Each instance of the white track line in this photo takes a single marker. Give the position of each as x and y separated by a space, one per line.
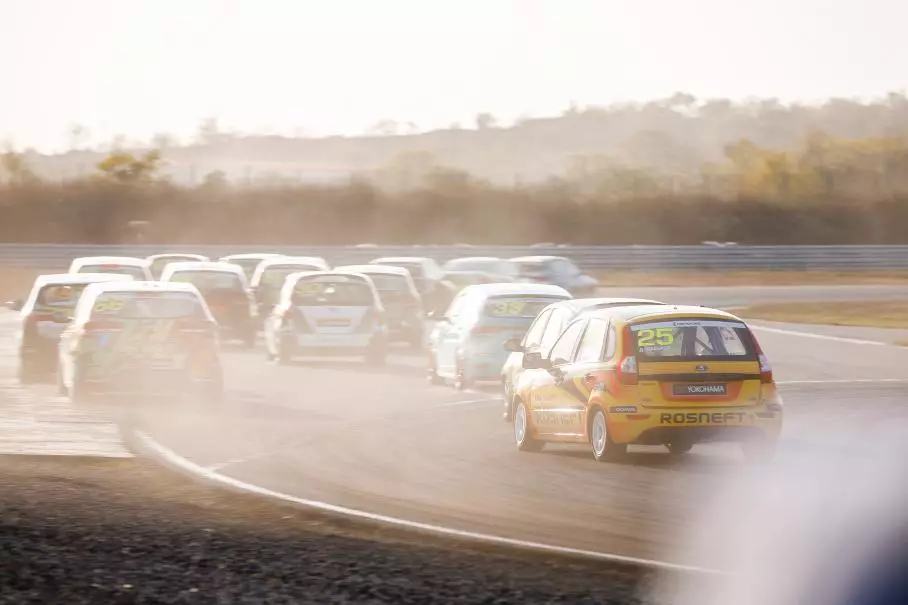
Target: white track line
854 341
191 467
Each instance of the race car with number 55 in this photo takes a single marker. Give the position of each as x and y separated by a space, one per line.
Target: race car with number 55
649 375
141 338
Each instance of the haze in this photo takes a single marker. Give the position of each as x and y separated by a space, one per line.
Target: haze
134 68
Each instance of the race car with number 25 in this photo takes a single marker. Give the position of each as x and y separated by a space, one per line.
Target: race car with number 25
650 375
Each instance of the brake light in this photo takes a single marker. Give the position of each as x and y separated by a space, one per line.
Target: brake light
110 266
627 367
765 367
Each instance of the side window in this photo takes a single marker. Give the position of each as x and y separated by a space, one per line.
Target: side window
553 330
534 335
612 344
593 342
563 351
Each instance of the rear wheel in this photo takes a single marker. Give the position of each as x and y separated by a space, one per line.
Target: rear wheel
604 448
522 437
461 382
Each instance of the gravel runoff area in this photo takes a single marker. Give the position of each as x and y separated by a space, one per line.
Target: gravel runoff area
81 530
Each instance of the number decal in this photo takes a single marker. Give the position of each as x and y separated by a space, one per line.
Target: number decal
507 309
108 305
665 337
645 337
310 289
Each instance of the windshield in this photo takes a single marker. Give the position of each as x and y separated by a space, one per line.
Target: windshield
332 292
693 339
533 267
209 280
385 282
59 296
147 305
136 272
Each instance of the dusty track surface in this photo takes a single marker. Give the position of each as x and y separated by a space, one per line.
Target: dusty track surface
75 531
383 441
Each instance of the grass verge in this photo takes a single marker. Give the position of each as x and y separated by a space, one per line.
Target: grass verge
872 314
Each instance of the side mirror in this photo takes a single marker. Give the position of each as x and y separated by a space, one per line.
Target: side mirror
533 360
15 305
513 345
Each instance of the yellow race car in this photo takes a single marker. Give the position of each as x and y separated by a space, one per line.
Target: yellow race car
649 375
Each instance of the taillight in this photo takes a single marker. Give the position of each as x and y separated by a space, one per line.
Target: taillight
627 367
765 367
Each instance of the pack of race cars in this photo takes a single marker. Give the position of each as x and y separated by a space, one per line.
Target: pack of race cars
605 372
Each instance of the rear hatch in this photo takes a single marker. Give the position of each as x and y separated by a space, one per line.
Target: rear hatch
333 306
696 361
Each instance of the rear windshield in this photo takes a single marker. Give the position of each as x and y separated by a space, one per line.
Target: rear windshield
157 265
332 292
693 339
59 296
209 280
389 283
147 305
515 307
491 266
273 277
533 267
137 272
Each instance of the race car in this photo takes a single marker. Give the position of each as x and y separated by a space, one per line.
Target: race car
556 270
425 271
500 270
402 303
138 268
268 278
543 332
44 314
248 261
157 262
467 343
140 338
226 292
649 375
327 313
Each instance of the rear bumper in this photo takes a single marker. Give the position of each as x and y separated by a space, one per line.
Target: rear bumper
648 426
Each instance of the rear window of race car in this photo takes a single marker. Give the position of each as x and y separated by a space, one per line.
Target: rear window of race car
693 339
273 277
385 282
332 292
209 280
147 305
59 296
137 272
515 307
157 265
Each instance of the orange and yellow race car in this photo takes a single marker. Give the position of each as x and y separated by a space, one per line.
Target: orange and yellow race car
650 375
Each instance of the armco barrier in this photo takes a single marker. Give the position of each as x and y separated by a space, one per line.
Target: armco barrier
634 258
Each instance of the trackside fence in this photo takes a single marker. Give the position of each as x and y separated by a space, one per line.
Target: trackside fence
590 258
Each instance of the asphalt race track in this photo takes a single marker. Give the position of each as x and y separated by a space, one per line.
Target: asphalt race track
382 440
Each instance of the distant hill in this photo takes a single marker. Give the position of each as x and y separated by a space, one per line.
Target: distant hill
673 136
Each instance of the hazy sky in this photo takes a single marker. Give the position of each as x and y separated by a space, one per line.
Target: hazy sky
137 67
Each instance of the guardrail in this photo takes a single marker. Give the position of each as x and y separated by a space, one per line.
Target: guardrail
633 258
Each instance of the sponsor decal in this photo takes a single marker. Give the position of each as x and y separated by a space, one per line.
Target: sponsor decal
704 418
702 368
700 389
623 409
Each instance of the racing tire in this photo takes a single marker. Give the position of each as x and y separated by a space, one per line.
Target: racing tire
603 447
522 438
679 448
432 372
285 351
461 383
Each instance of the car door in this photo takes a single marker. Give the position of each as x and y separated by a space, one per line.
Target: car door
578 378
514 364
546 385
